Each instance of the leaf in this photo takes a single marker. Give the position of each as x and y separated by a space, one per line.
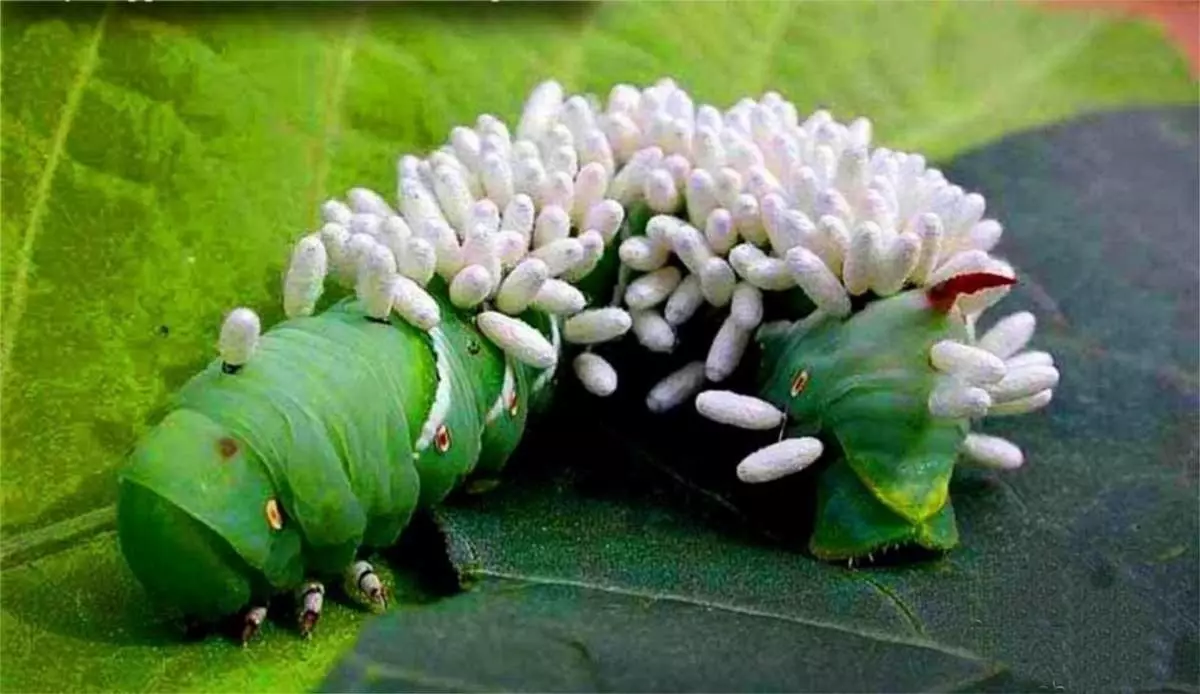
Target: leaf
1079 572
158 160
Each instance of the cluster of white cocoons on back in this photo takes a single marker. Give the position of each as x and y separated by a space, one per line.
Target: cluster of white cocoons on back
747 200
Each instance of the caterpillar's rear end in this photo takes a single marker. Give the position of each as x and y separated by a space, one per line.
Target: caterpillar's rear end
301 447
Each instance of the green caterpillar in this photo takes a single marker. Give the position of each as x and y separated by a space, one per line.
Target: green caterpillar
303 446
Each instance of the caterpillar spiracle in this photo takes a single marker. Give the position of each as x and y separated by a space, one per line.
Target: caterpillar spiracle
506 254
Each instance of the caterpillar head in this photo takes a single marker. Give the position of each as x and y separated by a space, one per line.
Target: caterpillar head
197 518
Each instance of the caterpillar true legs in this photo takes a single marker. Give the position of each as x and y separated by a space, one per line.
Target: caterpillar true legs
307 443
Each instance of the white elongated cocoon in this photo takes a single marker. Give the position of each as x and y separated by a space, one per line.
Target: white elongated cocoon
597 325
336 238
453 195
1023 382
560 255
726 351
305 279
447 247
512 248
653 288
540 109
414 304
748 220
771 274
952 399
518 216
858 271
643 254
552 224
485 216
605 217
470 286
518 339
497 179
970 365
529 178
653 331
559 298
660 191
929 229
684 301
559 189
818 282
479 248
593 252
624 135
691 247
596 374
417 261
467 147
519 288
367 200
628 185
747 308
832 243
780 459
590 185
358 248
717 281
992 452
374 287
365 223
894 266
1009 335
596 149
720 232
393 232
701 195
735 409
673 390
418 204
743 256
1030 358
336 212
239 336
1021 405
960 264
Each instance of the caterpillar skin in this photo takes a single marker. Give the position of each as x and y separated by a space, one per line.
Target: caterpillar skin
505 254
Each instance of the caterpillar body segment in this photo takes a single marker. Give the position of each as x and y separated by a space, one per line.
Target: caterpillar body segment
857 277
311 452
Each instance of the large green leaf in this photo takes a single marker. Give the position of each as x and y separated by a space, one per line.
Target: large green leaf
158 159
1080 571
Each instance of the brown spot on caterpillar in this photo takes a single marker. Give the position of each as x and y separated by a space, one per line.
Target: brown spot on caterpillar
441 439
799 382
513 404
274 515
942 296
227 447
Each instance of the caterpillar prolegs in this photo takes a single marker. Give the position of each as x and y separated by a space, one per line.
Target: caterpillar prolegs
855 276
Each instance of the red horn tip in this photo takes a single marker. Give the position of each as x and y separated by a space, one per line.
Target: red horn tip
942 296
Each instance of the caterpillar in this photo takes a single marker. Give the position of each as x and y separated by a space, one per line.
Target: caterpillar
854 276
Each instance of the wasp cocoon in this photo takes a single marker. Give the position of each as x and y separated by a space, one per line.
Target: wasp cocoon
374 287
1021 405
951 399
858 271
691 247
519 288
1030 358
653 288
239 336
701 196
305 280
818 282
590 185
1023 382
518 339
368 201
726 351
519 216
747 307
969 364
719 231
735 409
717 282
540 110
336 212
605 217
673 390
780 459
470 286
643 254
992 452
593 253
417 261
552 224
653 331
684 301
559 189
770 274
560 255
454 196
511 248
414 304
596 374
660 191
895 265
597 325
1009 335
962 263
559 298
